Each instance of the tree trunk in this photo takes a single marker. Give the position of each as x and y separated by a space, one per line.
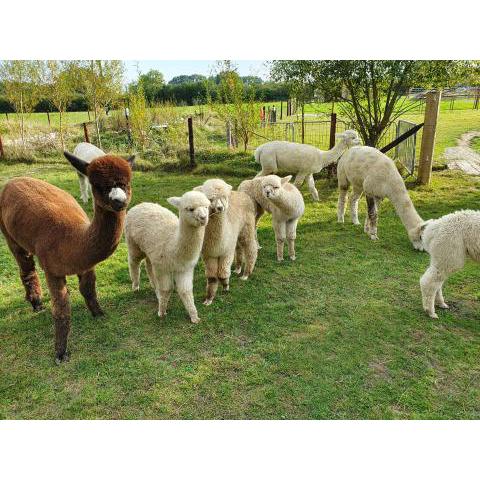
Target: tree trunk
61 130
22 120
97 126
303 122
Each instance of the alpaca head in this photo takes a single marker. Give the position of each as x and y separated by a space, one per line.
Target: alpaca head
110 177
218 193
272 184
349 137
192 207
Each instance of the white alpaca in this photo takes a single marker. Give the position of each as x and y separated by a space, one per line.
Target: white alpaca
449 240
171 246
369 170
302 160
284 201
87 152
230 230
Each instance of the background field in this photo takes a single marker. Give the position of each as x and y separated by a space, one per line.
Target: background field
340 333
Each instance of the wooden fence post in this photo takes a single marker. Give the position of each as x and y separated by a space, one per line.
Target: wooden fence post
6 114
48 116
85 132
332 169
333 129
281 110
190 142
432 108
2 152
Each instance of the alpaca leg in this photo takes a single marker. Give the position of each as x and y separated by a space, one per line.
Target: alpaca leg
372 215
61 315
211 272
430 283
354 205
28 274
224 269
87 289
84 187
299 179
250 250
135 256
184 283
291 228
280 230
342 202
239 258
164 290
439 300
311 187
149 268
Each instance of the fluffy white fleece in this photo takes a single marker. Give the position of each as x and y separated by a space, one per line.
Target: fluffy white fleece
171 246
87 152
284 201
369 170
449 240
302 160
230 231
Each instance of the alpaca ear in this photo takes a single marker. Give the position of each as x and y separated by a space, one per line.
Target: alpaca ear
77 163
131 160
230 188
175 201
286 179
198 189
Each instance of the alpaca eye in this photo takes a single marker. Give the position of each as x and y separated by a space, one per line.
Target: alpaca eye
190 209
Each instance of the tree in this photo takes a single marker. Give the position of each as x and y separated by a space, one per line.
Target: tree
299 75
60 88
251 80
235 102
180 79
22 82
102 82
151 82
372 92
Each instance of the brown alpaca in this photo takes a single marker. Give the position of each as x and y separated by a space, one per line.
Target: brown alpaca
39 219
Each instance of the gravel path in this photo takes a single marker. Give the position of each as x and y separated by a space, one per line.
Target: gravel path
463 157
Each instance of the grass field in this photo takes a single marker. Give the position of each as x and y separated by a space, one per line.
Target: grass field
340 333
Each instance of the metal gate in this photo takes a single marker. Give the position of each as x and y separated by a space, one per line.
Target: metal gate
405 151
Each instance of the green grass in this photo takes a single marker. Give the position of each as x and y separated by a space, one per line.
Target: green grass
340 333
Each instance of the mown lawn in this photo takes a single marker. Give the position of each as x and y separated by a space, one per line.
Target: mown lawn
340 333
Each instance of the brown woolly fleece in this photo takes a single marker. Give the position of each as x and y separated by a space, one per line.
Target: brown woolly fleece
39 219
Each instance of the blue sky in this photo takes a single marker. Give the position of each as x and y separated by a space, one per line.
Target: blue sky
172 68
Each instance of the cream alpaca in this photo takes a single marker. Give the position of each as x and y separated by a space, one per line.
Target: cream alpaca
284 201
302 160
449 240
369 170
171 246
87 152
232 221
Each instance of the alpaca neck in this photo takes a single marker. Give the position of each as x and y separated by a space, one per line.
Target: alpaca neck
188 242
102 236
332 155
281 201
405 209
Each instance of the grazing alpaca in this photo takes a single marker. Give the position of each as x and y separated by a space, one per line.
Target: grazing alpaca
171 246
284 201
302 160
449 240
369 170
87 152
39 219
230 230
